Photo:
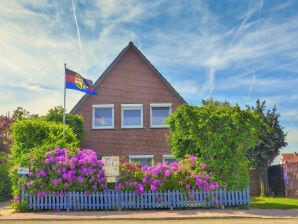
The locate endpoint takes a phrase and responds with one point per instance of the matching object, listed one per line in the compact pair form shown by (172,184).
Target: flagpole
(64,100)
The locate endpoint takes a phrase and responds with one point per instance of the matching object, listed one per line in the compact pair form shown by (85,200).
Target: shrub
(31,139)
(5,186)
(62,171)
(188,174)
(68,170)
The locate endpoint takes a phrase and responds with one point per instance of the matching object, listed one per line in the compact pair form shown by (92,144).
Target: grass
(273,203)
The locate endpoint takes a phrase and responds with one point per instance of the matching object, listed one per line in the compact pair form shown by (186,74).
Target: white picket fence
(112,200)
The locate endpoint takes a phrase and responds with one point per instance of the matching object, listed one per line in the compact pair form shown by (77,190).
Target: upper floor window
(159,112)
(103,116)
(132,115)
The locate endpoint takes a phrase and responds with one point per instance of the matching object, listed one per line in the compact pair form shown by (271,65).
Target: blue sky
(238,51)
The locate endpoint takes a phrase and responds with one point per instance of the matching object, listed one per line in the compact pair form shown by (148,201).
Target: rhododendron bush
(62,170)
(185,175)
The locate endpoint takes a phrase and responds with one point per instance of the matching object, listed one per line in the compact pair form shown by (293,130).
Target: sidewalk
(6,213)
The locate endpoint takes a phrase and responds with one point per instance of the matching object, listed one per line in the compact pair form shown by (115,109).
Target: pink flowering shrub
(186,175)
(62,172)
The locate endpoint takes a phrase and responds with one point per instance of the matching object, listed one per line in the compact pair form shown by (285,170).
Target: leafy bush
(5,186)
(68,170)
(61,171)
(219,134)
(31,139)
(188,174)
(74,121)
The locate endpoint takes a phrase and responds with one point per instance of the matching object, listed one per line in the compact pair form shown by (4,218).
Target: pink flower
(203,165)
(191,196)
(153,187)
(16,199)
(216,202)
(167,173)
(80,179)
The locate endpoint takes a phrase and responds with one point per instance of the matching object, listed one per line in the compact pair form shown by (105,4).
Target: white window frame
(104,106)
(167,156)
(154,105)
(141,157)
(131,107)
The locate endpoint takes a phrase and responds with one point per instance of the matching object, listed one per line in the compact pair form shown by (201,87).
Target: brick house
(126,116)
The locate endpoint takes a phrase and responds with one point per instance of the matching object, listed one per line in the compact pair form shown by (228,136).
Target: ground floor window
(168,158)
(144,160)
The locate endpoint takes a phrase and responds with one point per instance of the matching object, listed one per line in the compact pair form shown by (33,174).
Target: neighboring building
(289,158)
(289,162)
(126,117)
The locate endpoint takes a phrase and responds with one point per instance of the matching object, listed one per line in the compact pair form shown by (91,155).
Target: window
(144,160)
(103,116)
(169,159)
(159,113)
(132,115)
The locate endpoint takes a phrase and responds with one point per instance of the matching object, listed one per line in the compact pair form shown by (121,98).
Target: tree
(5,139)
(271,140)
(21,114)
(73,120)
(219,134)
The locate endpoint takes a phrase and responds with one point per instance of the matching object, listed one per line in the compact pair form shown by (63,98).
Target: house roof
(111,66)
(292,157)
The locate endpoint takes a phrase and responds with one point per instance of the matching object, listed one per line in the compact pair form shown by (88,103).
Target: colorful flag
(76,81)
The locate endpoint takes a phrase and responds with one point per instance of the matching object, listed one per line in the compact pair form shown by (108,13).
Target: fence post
(248,197)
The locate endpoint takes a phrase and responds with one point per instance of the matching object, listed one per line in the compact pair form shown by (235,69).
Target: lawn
(273,203)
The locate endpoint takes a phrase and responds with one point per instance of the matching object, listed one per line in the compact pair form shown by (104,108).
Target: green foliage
(271,139)
(73,120)
(5,186)
(5,138)
(21,206)
(220,135)
(21,114)
(31,139)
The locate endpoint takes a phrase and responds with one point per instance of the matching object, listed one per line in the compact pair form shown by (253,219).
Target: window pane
(132,117)
(159,114)
(142,161)
(170,161)
(103,117)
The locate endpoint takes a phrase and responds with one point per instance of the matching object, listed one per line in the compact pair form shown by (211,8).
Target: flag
(75,81)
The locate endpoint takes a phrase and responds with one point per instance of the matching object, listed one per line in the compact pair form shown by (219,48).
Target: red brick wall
(130,81)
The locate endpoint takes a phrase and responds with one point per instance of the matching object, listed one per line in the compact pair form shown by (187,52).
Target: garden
(64,177)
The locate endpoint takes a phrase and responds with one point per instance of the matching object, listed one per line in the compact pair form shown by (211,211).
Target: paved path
(6,213)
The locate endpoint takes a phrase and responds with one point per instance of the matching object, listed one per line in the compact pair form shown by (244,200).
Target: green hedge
(5,185)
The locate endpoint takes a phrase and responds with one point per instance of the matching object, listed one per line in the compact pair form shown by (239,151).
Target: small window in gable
(103,116)
(159,112)
(132,115)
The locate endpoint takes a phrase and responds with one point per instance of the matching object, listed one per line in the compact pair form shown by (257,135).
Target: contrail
(78,31)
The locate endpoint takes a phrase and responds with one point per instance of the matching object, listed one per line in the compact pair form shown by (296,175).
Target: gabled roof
(111,66)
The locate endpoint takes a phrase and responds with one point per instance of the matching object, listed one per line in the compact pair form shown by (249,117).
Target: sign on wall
(111,167)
